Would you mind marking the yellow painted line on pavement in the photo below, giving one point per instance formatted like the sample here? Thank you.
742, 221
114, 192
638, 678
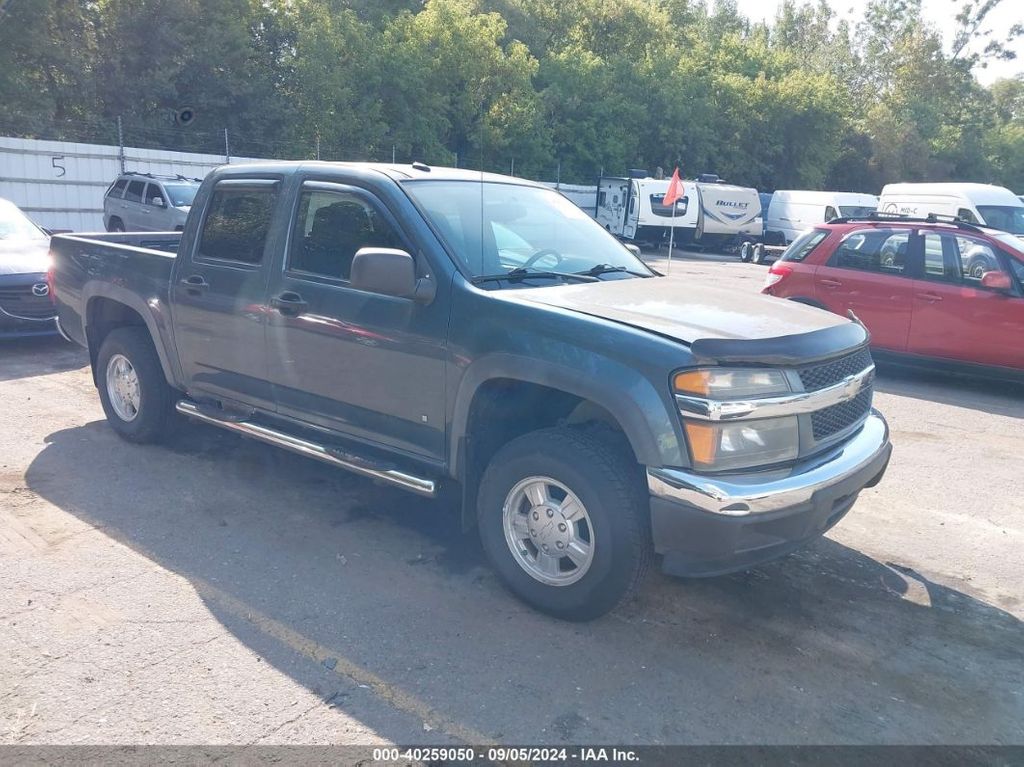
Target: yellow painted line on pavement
303, 645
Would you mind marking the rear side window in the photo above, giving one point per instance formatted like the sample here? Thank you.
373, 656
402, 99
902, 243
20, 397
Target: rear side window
118, 188
237, 223
134, 193
803, 245
874, 250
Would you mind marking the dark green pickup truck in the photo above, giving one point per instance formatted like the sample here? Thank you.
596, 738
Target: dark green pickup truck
441, 329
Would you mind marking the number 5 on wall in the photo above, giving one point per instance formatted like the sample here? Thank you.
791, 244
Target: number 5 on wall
61, 168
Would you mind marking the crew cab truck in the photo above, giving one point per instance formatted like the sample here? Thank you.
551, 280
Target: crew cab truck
447, 330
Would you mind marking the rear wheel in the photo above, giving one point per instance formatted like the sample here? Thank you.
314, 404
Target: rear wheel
758, 254
115, 224
564, 519
135, 395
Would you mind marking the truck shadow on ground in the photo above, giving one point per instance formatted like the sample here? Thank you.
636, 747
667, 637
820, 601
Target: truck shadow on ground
28, 357
364, 594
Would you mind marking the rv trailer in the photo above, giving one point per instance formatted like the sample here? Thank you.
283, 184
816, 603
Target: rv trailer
710, 212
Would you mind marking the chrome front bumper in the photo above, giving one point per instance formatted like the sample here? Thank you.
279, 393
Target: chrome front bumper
749, 494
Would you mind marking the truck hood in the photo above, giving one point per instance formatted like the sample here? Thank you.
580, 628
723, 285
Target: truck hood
24, 256
685, 311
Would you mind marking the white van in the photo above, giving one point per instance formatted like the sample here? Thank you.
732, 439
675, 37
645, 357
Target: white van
993, 206
708, 213
792, 211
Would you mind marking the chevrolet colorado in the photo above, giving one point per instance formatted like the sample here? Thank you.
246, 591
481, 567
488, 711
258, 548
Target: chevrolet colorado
441, 329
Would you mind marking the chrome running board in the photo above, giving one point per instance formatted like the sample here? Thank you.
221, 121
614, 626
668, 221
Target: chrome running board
419, 485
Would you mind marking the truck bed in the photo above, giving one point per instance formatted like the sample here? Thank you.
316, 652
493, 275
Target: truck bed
92, 265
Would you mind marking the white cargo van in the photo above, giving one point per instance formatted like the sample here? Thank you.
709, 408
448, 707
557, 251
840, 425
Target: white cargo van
792, 211
993, 206
708, 213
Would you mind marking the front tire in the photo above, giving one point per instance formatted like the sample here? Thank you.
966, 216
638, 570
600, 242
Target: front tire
134, 392
564, 519
115, 225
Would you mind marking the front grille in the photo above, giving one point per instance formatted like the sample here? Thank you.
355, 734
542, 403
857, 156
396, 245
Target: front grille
19, 301
828, 373
834, 419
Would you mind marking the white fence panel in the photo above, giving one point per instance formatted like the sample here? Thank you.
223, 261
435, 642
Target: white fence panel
60, 184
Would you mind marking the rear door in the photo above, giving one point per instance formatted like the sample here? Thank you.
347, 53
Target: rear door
954, 317
220, 295
868, 273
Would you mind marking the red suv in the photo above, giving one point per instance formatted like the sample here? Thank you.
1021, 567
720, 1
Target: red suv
927, 290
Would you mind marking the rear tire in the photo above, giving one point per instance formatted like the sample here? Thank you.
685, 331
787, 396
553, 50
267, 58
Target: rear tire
758, 255
134, 392
603, 539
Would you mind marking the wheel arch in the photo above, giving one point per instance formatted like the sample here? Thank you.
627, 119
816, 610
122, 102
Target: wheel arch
108, 308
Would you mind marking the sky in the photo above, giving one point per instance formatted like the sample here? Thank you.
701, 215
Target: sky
940, 13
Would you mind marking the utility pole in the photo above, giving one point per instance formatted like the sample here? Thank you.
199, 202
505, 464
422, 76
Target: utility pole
120, 142
558, 175
393, 154
512, 170
227, 148
318, 144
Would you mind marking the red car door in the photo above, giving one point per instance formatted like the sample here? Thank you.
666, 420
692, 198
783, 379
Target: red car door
867, 273
955, 315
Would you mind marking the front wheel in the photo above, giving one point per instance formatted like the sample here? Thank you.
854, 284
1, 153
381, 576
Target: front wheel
564, 519
135, 395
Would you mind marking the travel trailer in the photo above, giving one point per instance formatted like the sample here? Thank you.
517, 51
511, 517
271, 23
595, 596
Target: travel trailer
993, 206
792, 211
710, 212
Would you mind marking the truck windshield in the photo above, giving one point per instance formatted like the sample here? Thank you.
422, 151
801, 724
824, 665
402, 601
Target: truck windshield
494, 228
15, 225
855, 211
1009, 218
181, 194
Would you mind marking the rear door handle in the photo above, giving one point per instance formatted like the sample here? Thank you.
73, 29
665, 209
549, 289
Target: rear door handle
831, 284
930, 297
195, 283
289, 303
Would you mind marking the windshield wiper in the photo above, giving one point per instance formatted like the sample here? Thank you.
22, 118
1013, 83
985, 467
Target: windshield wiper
519, 273
608, 269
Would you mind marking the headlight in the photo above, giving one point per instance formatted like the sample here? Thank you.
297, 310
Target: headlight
721, 445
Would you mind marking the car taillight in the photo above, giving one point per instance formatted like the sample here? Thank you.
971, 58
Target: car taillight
779, 271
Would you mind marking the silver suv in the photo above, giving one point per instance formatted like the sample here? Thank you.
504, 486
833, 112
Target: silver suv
143, 202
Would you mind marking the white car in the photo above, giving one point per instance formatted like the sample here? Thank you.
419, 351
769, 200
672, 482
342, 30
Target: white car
143, 202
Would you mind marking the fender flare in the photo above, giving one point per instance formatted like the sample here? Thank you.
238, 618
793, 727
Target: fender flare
136, 304
639, 410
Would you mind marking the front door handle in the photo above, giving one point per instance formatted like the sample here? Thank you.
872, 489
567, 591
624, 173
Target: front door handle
830, 284
930, 297
289, 303
195, 284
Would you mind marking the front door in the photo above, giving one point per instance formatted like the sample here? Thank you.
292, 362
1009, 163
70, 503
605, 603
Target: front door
954, 317
869, 274
155, 210
365, 365
220, 295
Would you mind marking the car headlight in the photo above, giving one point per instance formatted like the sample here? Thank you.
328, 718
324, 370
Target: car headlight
709, 398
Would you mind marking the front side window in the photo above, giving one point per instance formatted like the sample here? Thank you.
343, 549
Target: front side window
802, 246
330, 229
134, 192
874, 250
964, 214
118, 188
830, 213
1009, 218
958, 259
855, 211
555, 233
154, 196
237, 223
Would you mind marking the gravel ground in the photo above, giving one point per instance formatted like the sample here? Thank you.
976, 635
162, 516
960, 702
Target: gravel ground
215, 590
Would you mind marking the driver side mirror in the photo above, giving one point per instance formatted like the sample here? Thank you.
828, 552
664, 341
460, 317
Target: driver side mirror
632, 249
390, 272
997, 281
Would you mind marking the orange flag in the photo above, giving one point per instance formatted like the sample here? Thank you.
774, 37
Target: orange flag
675, 190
